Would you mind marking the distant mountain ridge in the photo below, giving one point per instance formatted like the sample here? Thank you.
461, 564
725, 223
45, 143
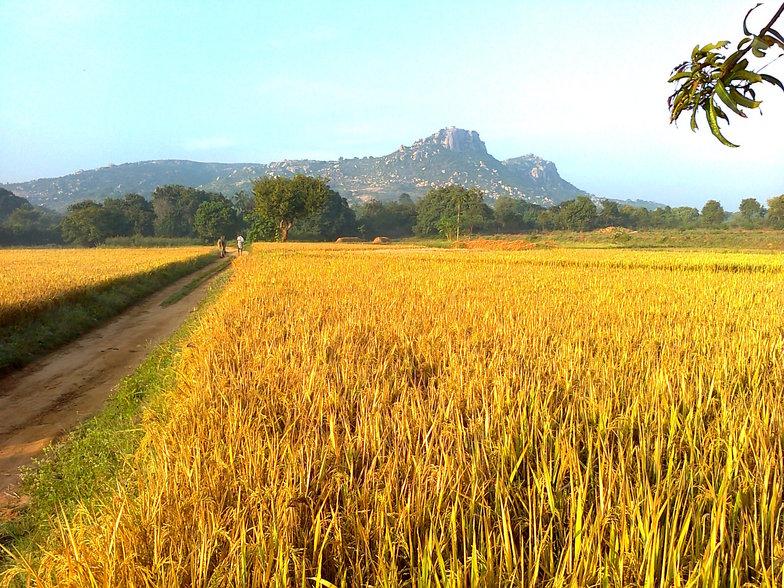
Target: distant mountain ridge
450, 156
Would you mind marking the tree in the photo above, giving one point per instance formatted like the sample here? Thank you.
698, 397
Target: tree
285, 200
444, 209
139, 213
512, 215
712, 214
175, 209
776, 211
686, 217
637, 217
388, 219
710, 78
609, 215
335, 219
578, 214
751, 211
215, 218
116, 220
88, 224
260, 228
30, 226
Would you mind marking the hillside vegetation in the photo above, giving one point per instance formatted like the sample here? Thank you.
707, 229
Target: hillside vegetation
449, 156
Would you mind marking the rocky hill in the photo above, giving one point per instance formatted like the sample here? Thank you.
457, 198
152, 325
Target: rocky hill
450, 156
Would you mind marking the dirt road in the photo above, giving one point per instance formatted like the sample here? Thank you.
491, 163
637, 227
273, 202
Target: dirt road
43, 401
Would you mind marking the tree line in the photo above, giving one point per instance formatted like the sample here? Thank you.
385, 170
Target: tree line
307, 209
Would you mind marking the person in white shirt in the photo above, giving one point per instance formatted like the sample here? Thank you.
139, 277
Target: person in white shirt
240, 243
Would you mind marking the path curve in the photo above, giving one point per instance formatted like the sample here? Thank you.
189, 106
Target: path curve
47, 398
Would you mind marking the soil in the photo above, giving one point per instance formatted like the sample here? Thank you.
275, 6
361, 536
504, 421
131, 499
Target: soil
46, 399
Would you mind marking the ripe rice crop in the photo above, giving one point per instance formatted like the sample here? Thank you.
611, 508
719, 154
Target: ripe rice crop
33, 279
460, 418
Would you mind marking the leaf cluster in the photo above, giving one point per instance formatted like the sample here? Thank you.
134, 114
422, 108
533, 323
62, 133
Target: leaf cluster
709, 80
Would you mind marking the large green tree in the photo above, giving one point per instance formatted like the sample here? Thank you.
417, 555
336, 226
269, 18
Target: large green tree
215, 218
609, 215
387, 219
710, 80
712, 214
175, 209
286, 200
88, 223
685, 217
139, 213
578, 214
334, 219
751, 211
513, 215
451, 210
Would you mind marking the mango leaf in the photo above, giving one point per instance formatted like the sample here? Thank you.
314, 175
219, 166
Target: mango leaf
712, 46
742, 64
771, 80
725, 97
679, 76
746, 75
719, 112
710, 114
741, 100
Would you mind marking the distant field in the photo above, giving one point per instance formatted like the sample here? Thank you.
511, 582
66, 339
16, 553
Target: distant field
50, 296
729, 238
33, 279
358, 417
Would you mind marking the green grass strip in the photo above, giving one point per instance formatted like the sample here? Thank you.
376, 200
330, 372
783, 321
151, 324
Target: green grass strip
194, 283
35, 336
96, 455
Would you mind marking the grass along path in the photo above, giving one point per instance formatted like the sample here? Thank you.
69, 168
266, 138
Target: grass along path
195, 282
31, 337
94, 457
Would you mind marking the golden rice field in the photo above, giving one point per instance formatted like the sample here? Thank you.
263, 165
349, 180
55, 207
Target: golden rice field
31, 279
357, 417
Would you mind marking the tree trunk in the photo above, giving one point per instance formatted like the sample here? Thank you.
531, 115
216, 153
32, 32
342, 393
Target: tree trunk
284, 227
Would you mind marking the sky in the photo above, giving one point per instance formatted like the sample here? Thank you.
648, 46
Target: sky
583, 84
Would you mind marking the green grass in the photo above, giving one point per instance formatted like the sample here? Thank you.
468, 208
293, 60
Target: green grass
194, 283
93, 458
36, 335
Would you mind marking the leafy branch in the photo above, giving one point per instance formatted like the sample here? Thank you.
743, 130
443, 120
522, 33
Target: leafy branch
710, 79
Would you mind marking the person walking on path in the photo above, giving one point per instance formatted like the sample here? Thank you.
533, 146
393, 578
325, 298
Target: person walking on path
240, 243
222, 246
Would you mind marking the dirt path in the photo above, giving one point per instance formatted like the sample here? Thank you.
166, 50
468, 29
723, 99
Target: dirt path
41, 402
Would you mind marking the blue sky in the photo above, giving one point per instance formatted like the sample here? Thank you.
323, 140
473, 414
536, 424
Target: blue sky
583, 84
